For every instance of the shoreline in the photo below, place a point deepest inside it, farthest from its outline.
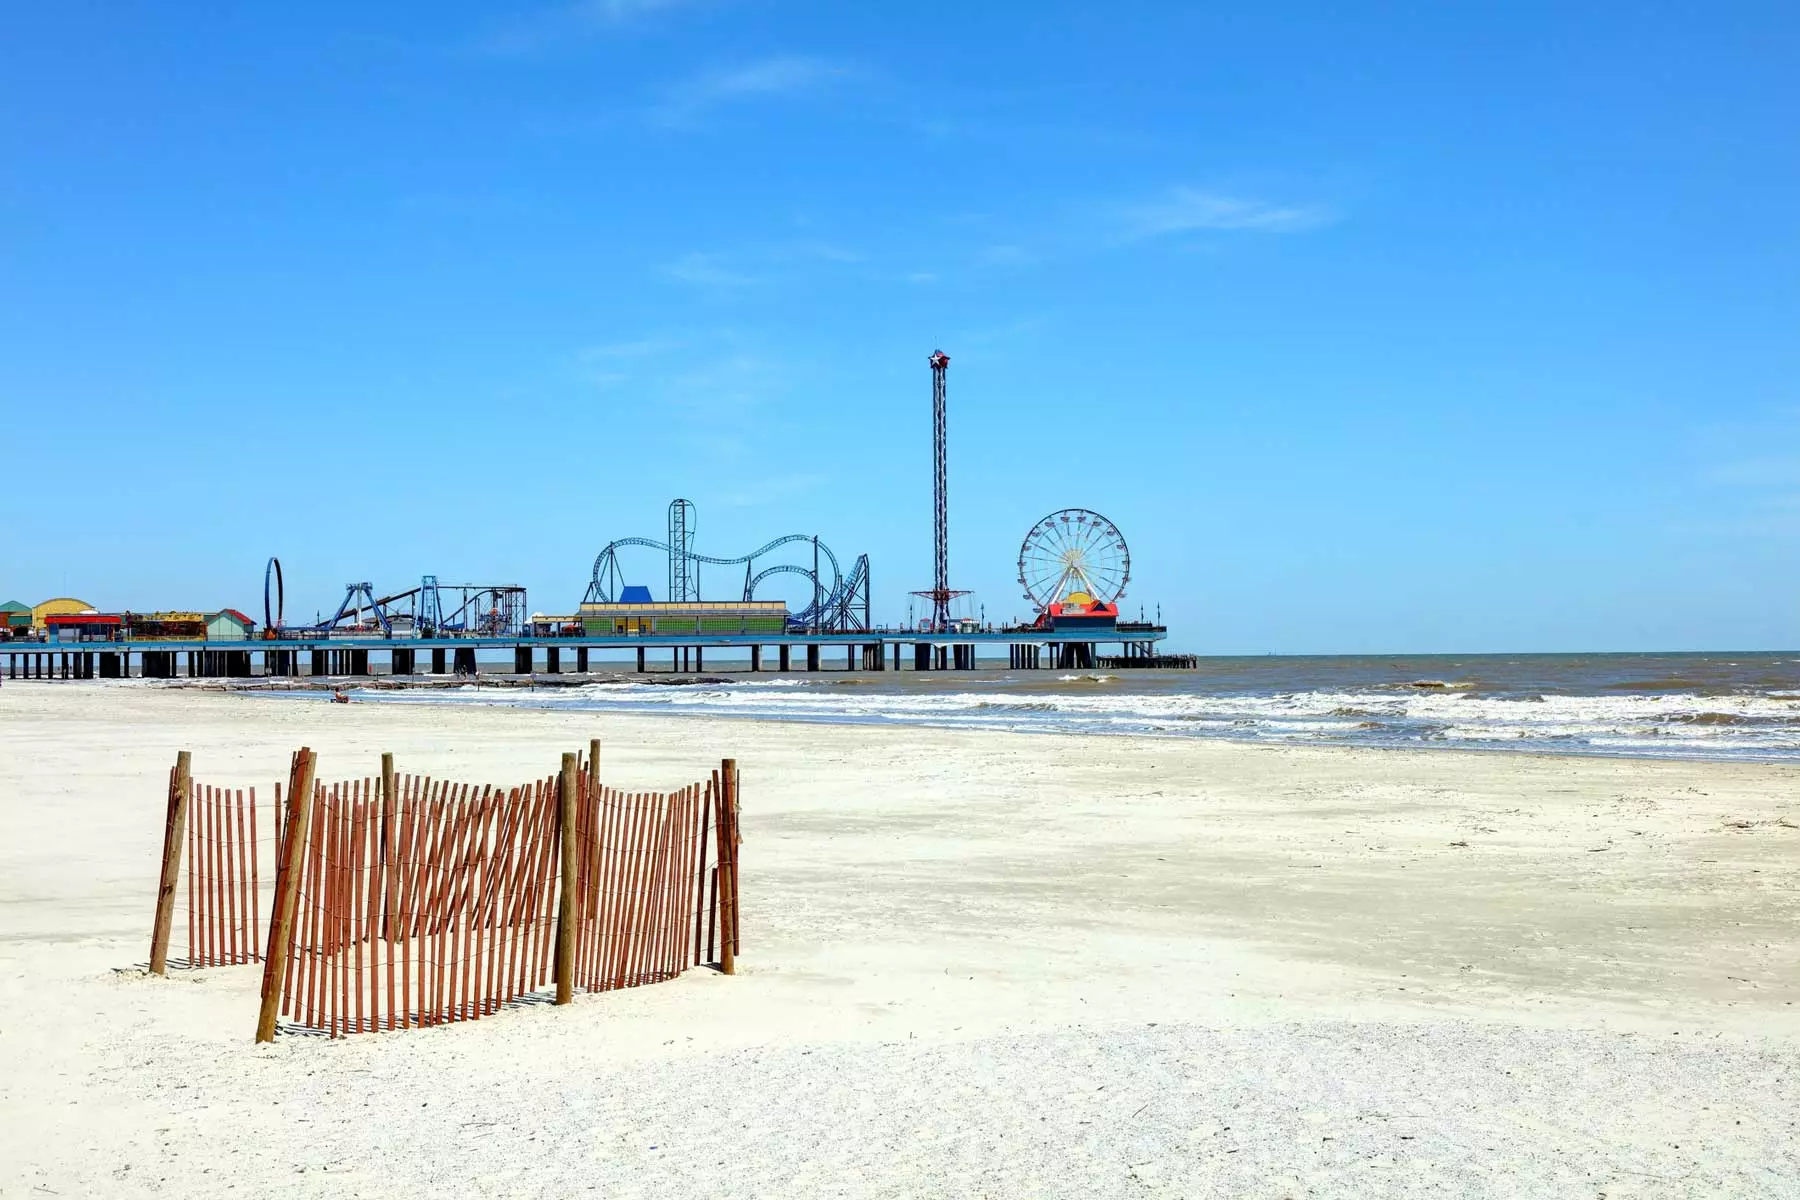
(387, 691)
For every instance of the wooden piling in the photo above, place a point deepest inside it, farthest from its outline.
(566, 908)
(174, 826)
(287, 892)
(727, 849)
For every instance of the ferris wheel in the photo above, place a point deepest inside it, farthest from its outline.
(1074, 555)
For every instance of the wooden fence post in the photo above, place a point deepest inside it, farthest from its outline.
(593, 766)
(565, 909)
(174, 829)
(287, 889)
(383, 851)
(727, 835)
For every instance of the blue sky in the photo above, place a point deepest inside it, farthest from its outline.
(1375, 327)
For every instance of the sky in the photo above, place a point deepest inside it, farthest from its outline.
(1375, 327)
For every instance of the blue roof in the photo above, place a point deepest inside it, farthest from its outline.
(633, 593)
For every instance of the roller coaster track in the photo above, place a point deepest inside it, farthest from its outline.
(827, 606)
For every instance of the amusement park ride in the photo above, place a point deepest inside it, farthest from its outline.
(1074, 564)
(940, 593)
(836, 603)
(1073, 568)
(428, 611)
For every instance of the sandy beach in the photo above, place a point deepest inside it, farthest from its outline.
(974, 964)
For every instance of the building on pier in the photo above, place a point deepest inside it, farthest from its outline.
(229, 625)
(56, 606)
(689, 617)
(15, 619)
(82, 627)
(1078, 610)
(165, 627)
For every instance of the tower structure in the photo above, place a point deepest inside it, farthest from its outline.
(430, 607)
(941, 592)
(684, 582)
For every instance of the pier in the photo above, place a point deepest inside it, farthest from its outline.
(402, 657)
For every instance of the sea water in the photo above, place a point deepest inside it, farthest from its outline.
(1718, 706)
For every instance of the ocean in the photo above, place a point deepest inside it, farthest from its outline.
(1706, 706)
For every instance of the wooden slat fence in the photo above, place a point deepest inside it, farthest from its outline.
(412, 901)
(435, 908)
(442, 906)
(224, 900)
(641, 897)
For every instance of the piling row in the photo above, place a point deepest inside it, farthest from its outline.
(297, 659)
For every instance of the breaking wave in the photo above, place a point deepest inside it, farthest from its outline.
(1606, 721)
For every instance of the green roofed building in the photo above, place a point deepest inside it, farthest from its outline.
(15, 617)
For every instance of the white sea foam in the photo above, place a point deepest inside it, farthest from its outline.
(1681, 725)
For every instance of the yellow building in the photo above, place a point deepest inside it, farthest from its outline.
(60, 606)
(695, 616)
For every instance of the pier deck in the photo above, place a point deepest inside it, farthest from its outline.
(349, 656)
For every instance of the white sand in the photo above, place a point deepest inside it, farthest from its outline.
(973, 965)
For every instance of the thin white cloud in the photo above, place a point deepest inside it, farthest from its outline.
(638, 348)
(1189, 210)
(725, 390)
(766, 490)
(557, 25)
(757, 265)
(706, 270)
(821, 251)
(612, 12)
(1004, 254)
(784, 75)
(1757, 471)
